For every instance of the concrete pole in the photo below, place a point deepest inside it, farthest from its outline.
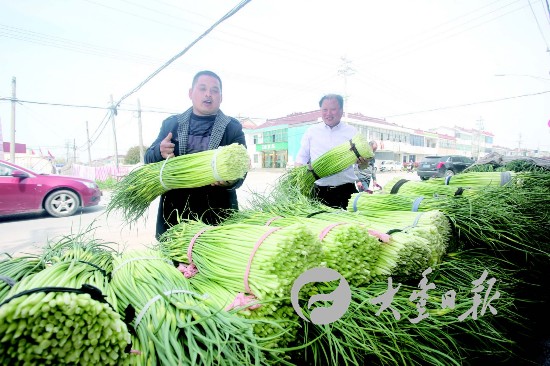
(113, 112)
(12, 138)
(89, 144)
(141, 152)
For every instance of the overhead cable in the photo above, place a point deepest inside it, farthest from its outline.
(538, 25)
(467, 104)
(165, 65)
(21, 101)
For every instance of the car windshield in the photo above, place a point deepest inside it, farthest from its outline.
(35, 169)
(432, 159)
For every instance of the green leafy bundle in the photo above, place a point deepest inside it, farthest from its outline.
(368, 333)
(432, 225)
(16, 268)
(347, 246)
(250, 259)
(333, 161)
(133, 194)
(60, 316)
(173, 324)
(475, 179)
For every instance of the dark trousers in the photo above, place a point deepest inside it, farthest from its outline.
(211, 205)
(335, 196)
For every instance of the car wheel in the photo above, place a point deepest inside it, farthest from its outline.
(449, 173)
(62, 203)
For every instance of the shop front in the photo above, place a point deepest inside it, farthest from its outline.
(273, 155)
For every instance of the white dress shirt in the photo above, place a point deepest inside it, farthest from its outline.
(319, 139)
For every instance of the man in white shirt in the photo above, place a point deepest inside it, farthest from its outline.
(334, 190)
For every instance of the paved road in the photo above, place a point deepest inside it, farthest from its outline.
(29, 233)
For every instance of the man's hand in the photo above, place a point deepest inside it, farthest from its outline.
(223, 183)
(167, 147)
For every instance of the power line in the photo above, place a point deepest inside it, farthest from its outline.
(99, 130)
(70, 45)
(538, 25)
(268, 46)
(114, 107)
(385, 117)
(143, 17)
(439, 33)
(155, 10)
(21, 101)
(468, 104)
(165, 65)
(86, 48)
(51, 104)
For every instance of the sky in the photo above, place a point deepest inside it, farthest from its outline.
(419, 64)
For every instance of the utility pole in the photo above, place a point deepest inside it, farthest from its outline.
(89, 144)
(480, 128)
(1, 142)
(141, 152)
(12, 138)
(74, 150)
(67, 147)
(345, 71)
(113, 113)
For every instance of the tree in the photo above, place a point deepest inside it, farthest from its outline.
(132, 156)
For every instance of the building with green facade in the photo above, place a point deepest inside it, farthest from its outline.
(275, 143)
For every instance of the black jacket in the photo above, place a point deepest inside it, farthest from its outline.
(209, 203)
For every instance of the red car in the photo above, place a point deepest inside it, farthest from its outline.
(22, 190)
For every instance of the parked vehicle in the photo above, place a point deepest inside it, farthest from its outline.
(390, 166)
(442, 166)
(23, 190)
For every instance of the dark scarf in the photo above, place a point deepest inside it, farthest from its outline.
(218, 130)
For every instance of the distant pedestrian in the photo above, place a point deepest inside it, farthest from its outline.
(366, 172)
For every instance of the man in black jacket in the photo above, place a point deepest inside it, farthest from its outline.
(201, 127)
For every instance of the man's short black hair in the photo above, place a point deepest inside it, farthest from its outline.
(208, 73)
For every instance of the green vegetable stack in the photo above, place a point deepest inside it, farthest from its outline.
(137, 190)
(173, 325)
(14, 269)
(255, 263)
(347, 246)
(331, 162)
(60, 316)
(432, 225)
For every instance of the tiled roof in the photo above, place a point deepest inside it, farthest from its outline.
(313, 116)
(247, 122)
(434, 133)
(293, 119)
(474, 131)
(361, 117)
